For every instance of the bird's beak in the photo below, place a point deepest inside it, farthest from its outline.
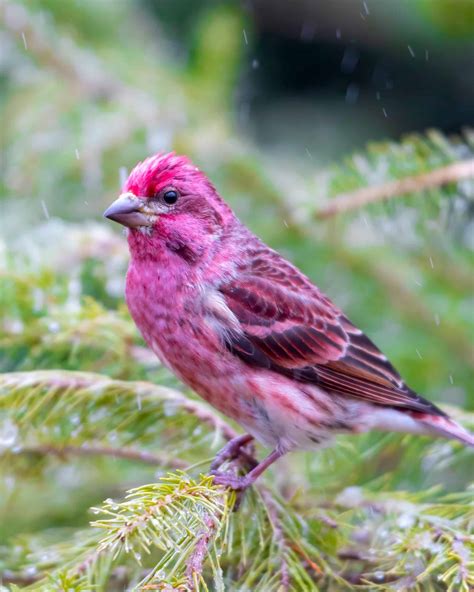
(128, 210)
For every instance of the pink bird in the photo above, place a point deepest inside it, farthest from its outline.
(247, 330)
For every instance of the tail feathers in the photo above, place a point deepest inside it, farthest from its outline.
(444, 426)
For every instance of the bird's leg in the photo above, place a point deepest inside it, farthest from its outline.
(241, 483)
(233, 449)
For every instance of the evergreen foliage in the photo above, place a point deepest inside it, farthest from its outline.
(88, 414)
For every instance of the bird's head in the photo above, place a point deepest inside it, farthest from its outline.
(168, 203)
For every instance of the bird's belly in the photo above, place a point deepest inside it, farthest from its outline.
(277, 411)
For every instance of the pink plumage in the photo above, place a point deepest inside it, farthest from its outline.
(246, 329)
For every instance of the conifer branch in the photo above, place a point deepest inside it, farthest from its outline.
(97, 450)
(451, 173)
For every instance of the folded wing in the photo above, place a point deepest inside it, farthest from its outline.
(287, 325)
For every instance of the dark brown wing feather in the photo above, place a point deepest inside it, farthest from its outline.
(289, 326)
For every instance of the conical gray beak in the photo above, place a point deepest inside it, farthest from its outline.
(127, 210)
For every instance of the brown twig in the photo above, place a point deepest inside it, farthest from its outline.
(18, 578)
(451, 173)
(196, 559)
(99, 450)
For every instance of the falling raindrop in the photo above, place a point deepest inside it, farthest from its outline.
(410, 49)
(418, 353)
(384, 112)
(352, 93)
(123, 175)
(78, 156)
(350, 59)
(24, 41)
(45, 209)
(245, 36)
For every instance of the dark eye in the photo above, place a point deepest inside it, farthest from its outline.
(170, 197)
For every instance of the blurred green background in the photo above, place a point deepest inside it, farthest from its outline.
(284, 105)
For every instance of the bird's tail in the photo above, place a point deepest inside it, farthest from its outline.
(438, 425)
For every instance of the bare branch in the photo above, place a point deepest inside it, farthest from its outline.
(98, 450)
(367, 195)
(195, 562)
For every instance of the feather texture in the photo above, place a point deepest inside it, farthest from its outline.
(287, 325)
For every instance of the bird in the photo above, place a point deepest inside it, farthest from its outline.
(247, 330)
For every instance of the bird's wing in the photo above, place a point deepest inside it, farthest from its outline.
(287, 325)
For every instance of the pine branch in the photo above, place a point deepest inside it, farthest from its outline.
(157, 417)
(452, 173)
(65, 451)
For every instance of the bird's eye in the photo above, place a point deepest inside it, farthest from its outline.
(170, 197)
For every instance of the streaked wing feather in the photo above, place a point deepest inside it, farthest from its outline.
(290, 327)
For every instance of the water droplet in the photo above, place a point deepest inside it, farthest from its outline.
(410, 49)
(123, 175)
(352, 93)
(45, 209)
(8, 434)
(350, 59)
(53, 327)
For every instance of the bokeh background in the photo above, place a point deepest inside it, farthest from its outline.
(285, 105)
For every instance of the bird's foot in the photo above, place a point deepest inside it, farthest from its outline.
(232, 481)
(234, 449)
